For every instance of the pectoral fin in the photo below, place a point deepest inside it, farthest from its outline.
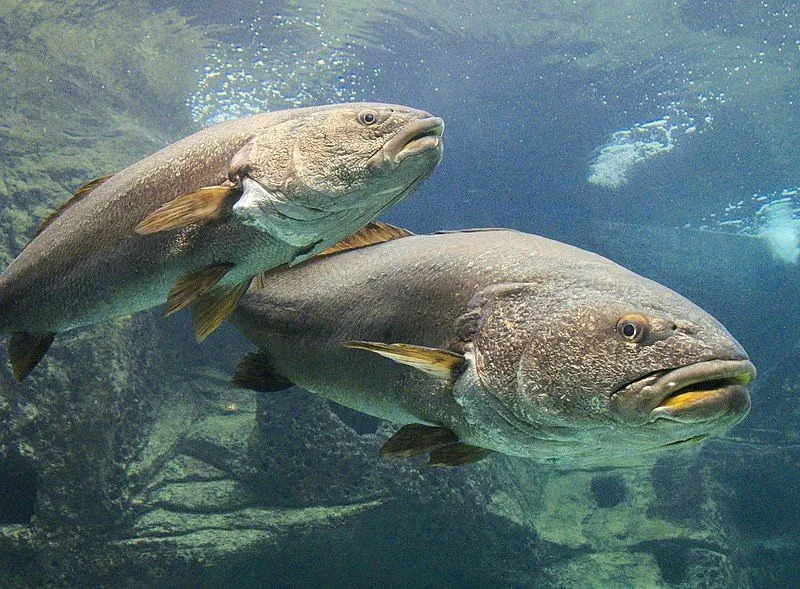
(212, 308)
(441, 364)
(189, 288)
(255, 372)
(25, 350)
(457, 455)
(414, 439)
(206, 204)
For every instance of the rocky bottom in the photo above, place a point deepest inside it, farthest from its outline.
(235, 489)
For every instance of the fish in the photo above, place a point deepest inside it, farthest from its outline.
(493, 340)
(192, 224)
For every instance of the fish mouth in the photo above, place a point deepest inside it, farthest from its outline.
(419, 137)
(700, 392)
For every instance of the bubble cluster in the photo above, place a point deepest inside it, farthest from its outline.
(772, 216)
(627, 149)
(281, 61)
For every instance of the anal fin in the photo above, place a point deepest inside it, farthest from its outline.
(457, 455)
(205, 204)
(414, 439)
(25, 350)
(256, 373)
(188, 288)
(212, 308)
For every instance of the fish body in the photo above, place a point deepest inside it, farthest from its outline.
(265, 190)
(497, 340)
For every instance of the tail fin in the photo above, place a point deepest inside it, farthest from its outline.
(25, 350)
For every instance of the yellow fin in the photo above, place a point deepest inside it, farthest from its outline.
(457, 455)
(442, 364)
(188, 288)
(211, 309)
(369, 234)
(205, 204)
(83, 191)
(25, 350)
(260, 281)
(414, 439)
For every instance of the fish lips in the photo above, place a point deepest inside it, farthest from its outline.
(701, 392)
(423, 136)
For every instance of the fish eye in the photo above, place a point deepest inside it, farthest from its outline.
(367, 117)
(632, 328)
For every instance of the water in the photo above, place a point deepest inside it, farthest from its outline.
(662, 135)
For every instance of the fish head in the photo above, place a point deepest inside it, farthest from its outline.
(366, 150)
(606, 363)
(335, 167)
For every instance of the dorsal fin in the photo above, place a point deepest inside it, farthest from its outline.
(473, 230)
(83, 191)
(370, 234)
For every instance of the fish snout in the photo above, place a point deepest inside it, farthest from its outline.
(705, 391)
(700, 392)
(419, 137)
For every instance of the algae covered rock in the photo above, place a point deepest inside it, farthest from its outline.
(220, 489)
(88, 88)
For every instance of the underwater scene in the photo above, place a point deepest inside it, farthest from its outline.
(400, 293)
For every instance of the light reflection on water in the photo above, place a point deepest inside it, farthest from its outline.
(256, 76)
(773, 216)
(664, 89)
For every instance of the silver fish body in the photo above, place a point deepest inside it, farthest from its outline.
(566, 355)
(300, 181)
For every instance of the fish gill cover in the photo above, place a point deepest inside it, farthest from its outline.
(604, 124)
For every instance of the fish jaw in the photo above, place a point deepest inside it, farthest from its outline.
(707, 391)
(423, 136)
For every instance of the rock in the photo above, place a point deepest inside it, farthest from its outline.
(605, 569)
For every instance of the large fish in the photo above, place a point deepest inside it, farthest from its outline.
(496, 340)
(194, 222)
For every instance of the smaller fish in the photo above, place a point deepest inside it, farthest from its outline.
(192, 224)
(496, 341)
